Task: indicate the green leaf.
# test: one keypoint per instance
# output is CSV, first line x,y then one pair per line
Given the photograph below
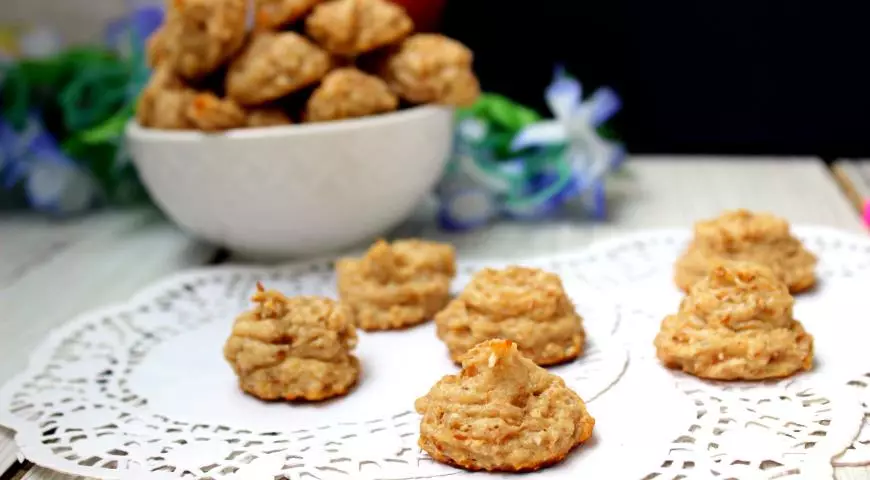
x,y
110,130
505,113
15,98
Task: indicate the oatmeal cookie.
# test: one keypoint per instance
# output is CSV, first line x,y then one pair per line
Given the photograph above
x,y
156,50
199,36
165,101
397,285
210,113
431,68
501,413
525,305
275,14
352,27
736,324
348,93
168,103
293,348
273,65
267,117
745,236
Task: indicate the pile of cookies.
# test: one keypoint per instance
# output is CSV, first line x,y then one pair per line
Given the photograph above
x,y
502,327
503,411
736,321
301,61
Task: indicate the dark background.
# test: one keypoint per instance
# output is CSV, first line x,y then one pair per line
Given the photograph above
x,y
696,76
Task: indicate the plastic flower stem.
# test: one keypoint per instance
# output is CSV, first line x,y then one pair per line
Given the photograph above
x,y
565,176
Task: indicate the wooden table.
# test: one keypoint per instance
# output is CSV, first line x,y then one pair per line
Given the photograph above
x,y
854,177
106,258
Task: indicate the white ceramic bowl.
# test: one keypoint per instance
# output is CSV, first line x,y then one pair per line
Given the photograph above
x,y
298,190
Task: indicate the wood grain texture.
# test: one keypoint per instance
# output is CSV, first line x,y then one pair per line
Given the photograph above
x,y
652,192
854,178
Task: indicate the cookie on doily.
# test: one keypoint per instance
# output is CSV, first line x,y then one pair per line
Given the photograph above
x,y
397,285
274,65
525,305
501,413
431,68
199,36
736,324
352,27
746,236
295,348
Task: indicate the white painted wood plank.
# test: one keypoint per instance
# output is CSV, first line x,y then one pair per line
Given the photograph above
x,y
27,240
8,450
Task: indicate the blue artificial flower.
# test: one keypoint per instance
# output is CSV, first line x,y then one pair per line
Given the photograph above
x,y
471,188
52,181
546,192
133,30
575,126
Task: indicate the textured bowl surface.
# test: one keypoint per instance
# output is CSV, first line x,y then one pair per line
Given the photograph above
x,y
299,190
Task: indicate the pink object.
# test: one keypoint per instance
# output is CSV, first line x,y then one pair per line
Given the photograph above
x,y
867,213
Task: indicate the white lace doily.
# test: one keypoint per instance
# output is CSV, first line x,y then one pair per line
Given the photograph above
x,y
637,272
141,390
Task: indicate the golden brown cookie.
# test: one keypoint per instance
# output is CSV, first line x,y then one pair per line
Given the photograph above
x,y
431,68
164,102
736,324
293,348
274,14
397,285
525,305
156,50
200,36
273,65
501,413
352,27
210,113
349,93
742,235
267,117
168,103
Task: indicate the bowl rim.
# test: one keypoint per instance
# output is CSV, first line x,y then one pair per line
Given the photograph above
x,y
134,130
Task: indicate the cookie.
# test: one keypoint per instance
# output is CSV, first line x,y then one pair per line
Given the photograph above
x,y
267,117
167,103
736,324
431,68
275,14
199,36
501,413
742,235
353,27
525,305
295,348
397,285
349,93
274,65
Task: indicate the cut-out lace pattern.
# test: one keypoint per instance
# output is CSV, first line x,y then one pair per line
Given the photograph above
x,y
78,408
